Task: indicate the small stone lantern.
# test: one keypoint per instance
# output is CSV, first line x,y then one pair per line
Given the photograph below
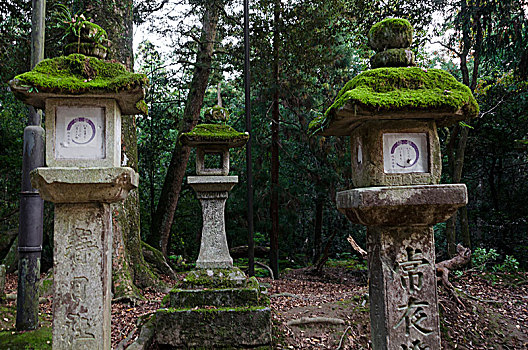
x,y
83,98
212,185
391,114
216,295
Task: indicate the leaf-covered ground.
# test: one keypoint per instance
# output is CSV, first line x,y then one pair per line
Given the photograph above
x,y
494,314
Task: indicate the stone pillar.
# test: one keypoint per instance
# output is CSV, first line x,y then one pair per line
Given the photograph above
x,y
82,276
212,191
401,258
83,250
401,270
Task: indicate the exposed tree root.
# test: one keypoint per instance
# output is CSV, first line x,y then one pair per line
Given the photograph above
x,y
444,267
267,268
311,320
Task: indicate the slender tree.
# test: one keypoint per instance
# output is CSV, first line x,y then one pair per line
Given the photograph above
x,y
164,216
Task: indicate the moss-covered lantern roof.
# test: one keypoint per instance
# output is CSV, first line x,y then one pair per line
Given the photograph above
x,y
80,75
397,93
395,89
214,135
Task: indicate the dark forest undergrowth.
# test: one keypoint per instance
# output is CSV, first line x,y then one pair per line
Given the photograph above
x,y
494,314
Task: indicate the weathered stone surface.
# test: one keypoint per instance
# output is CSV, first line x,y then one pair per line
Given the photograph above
x,y
231,297
212,183
102,149
367,150
401,205
402,289
393,58
81,185
82,276
202,170
215,278
391,33
214,328
212,191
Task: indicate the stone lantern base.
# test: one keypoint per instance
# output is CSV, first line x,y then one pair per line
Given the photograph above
x,y
215,308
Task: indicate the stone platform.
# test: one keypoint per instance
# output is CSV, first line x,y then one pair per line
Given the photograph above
x,y
215,308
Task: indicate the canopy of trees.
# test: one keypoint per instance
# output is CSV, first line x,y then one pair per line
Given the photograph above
x,y
302,53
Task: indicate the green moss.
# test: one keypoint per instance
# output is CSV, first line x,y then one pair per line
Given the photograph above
x,y
396,24
393,58
142,106
216,114
215,278
213,310
214,133
38,339
402,89
77,73
391,33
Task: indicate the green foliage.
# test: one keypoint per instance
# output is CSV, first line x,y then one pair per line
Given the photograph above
x,y
482,260
510,265
482,257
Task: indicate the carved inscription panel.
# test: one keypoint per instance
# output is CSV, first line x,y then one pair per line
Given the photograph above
x,y
81,273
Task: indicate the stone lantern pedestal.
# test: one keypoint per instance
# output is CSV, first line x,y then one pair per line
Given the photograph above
x,y
401,258
212,191
216,305
83,250
391,115
83,152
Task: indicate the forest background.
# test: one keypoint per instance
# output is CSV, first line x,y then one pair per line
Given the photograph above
x,y
302,53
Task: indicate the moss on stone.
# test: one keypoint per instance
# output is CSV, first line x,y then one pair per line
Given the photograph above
x,y
409,89
77,74
214,134
142,106
393,58
216,114
89,49
37,339
391,33
214,278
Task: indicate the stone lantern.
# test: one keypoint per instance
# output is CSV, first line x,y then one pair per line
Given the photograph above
x,y
229,308
391,114
83,98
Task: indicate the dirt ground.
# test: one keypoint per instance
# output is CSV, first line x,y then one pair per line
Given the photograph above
x,y
493,313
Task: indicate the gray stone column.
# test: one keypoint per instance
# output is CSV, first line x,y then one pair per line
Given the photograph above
x,y
212,191
82,276
82,257
401,258
402,290
214,252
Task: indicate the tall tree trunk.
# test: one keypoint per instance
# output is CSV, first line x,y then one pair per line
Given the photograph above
x,y
129,268
162,221
456,158
274,204
318,229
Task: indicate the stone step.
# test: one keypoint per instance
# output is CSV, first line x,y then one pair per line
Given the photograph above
x,y
232,297
238,328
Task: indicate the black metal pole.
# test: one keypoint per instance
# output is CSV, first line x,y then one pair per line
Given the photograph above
x,y
31,205
249,168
